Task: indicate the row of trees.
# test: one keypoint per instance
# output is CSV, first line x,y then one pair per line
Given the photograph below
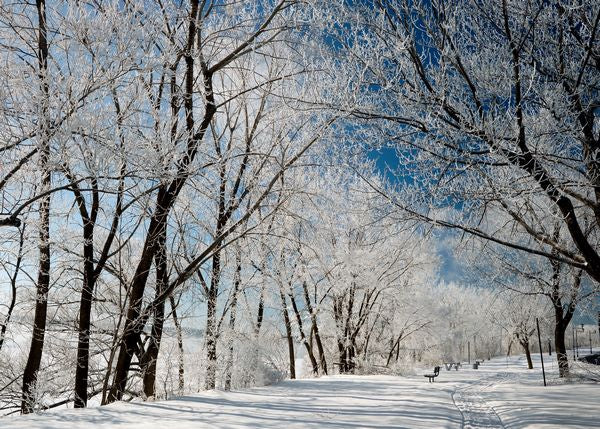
x,y
140,142
203,164
491,108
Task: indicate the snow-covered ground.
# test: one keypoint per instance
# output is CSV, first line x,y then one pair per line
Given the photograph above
x,y
502,393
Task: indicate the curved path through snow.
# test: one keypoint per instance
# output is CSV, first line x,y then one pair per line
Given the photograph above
x,y
502,393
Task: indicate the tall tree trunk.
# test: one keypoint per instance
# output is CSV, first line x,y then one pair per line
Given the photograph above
x,y
30,375
179,332
561,349
395,348
250,379
338,303
211,324
347,343
351,358
288,333
561,317
211,341
85,310
315,329
309,350
232,316
114,345
91,273
133,323
525,345
150,357
165,200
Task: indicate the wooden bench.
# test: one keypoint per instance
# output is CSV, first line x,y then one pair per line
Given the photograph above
x,y
431,377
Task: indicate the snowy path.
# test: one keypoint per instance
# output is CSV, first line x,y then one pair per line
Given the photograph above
x,y
476,412
500,394
327,402
503,393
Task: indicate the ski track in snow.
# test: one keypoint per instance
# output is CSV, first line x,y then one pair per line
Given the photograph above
x,y
476,413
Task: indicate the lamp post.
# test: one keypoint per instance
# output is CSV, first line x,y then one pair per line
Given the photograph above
x,y
537,324
576,342
573,343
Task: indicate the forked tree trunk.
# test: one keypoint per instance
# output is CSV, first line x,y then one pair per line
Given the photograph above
x,y
150,356
395,349
315,329
562,317
134,323
91,273
164,202
309,349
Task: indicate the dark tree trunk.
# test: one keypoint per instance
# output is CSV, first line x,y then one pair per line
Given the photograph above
x,y
395,348
91,273
525,345
346,345
232,318
561,349
179,332
260,313
347,358
288,333
309,350
338,305
150,357
562,317
85,310
123,294
165,200
211,325
34,359
315,329
133,323
211,310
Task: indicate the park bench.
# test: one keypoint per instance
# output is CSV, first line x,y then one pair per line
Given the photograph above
x,y
436,372
449,365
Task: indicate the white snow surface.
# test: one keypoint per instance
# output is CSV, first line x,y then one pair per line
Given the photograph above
x,y
502,393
